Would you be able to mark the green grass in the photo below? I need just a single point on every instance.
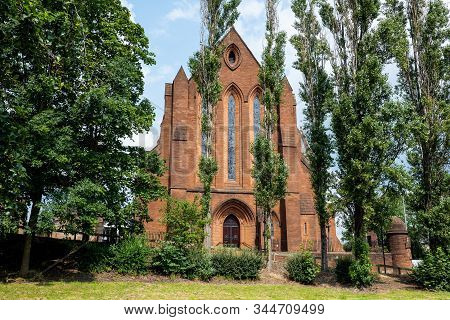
(197, 290)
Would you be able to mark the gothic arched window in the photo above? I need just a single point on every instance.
(231, 138)
(203, 136)
(256, 116)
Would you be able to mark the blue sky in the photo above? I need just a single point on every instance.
(173, 28)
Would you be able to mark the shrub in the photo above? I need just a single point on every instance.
(95, 257)
(360, 272)
(131, 256)
(199, 265)
(185, 223)
(433, 273)
(301, 267)
(237, 264)
(342, 270)
(193, 263)
(169, 259)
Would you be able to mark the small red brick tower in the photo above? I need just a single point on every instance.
(399, 244)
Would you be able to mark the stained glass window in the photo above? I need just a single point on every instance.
(203, 136)
(231, 139)
(256, 116)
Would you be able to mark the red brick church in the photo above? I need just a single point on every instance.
(239, 114)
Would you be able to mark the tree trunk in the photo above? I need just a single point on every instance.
(25, 266)
(26, 254)
(268, 243)
(359, 229)
(207, 241)
(323, 247)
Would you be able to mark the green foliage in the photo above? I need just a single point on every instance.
(342, 270)
(301, 267)
(78, 209)
(95, 258)
(72, 82)
(360, 270)
(237, 264)
(131, 255)
(317, 92)
(433, 272)
(199, 265)
(185, 223)
(369, 127)
(170, 259)
(387, 205)
(419, 44)
(269, 172)
(218, 16)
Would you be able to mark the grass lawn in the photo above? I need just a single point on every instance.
(197, 290)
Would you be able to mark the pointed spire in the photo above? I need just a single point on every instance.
(181, 75)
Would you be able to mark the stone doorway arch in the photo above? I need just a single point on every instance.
(237, 219)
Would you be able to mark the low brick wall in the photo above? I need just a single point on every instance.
(375, 257)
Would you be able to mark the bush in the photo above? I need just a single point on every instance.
(360, 272)
(185, 223)
(95, 258)
(199, 265)
(170, 259)
(342, 270)
(131, 256)
(433, 273)
(301, 267)
(237, 264)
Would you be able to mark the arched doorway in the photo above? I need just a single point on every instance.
(231, 232)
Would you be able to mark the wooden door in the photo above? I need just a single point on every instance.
(231, 232)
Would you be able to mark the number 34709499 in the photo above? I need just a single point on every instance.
(282, 308)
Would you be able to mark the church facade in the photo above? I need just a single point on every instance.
(239, 113)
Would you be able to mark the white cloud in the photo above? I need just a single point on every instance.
(185, 10)
(129, 6)
(158, 74)
(251, 9)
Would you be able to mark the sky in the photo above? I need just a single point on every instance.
(173, 28)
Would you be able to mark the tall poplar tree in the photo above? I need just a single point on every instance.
(269, 169)
(366, 124)
(316, 91)
(418, 34)
(217, 18)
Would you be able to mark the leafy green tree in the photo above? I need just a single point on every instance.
(418, 33)
(185, 223)
(71, 82)
(316, 91)
(367, 125)
(217, 18)
(269, 169)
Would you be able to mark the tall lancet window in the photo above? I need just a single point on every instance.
(231, 138)
(256, 116)
(203, 136)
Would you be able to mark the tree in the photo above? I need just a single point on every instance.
(217, 17)
(366, 124)
(71, 82)
(418, 39)
(316, 91)
(269, 169)
(185, 223)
